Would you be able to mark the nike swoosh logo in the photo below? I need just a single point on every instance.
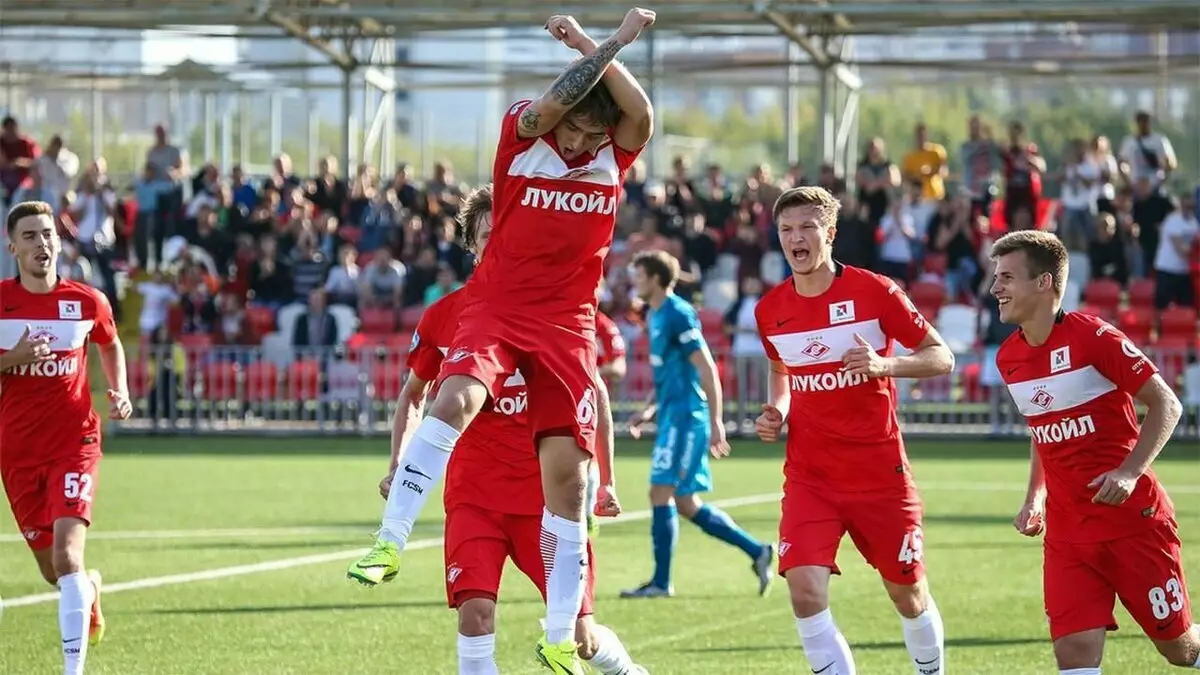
(71, 640)
(410, 469)
(779, 324)
(908, 570)
(927, 663)
(818, 672)
(1010, 371)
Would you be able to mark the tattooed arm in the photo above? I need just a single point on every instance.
(637, 115)
(579, 77)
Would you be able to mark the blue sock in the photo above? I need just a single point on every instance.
(716, 523)
(664, 531)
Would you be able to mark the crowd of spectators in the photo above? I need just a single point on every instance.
(205, 249)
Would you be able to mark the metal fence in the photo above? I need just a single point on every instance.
(352, 392)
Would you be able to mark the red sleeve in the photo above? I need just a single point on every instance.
(1117, 358)
(614, 342)
(104, 330)
(424, 358)
(899, 317)
(760, 318)
(508, 127)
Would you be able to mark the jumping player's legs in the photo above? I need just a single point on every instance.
(472, 368)
(887, 531)
(809, 533)
(559, 368)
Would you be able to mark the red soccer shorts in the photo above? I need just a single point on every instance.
(1081, 583)
(477, 542)
(62, 488)
(886, 529)
(558, 365)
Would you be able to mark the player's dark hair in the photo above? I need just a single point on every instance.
(25, 210)
(477, 205)
(660, 265)
(598, 107)
(1043, 250)
(808, 195)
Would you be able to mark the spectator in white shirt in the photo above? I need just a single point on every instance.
(1147, 155)
(157, 296)
(1172, 279)
(1081, 178)
(58, 167)
(93, 210)
(897, 234)
(381, 284)
(1101, 154)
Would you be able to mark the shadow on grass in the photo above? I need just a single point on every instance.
(341, 607)
(876, 646)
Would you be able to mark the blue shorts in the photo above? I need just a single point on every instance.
(680, 456)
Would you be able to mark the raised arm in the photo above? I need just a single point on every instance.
(579, 77)
(637, 114)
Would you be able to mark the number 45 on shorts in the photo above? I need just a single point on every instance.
(77, 486)
(912, 548)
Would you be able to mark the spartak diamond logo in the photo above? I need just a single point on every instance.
(1042, 399)
(815, 350)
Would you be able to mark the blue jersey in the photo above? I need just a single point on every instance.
(674, 336)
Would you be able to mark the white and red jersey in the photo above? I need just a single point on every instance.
(494, 465)
(1076, 391)
(610, 344)
(553, 223)
(46, 408)
(843, 433)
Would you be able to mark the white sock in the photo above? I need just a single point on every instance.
(611, 657)
(826, 648)
(76, 594)
(564, 554)
(926, 639)
(421, 467)
(477, 655)
(1080, 671)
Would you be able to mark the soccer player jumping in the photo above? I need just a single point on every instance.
(493, 494)
(829, 336)
(531, 305)
(49, 433)
(687, 400)
(1110, 526)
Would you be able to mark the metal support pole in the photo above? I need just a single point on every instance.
(97, 123)
(1162, 87)
(825, 131)
(314, 131)
(210, 126)
(245, 116)
(347, 119)
(656, 162)
(227, 108)
(388, 163)
(791, 105)
(276, 126)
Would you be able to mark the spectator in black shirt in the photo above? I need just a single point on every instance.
(215, 242)
(854, 243)
(952, 232)
(1106, 253)
(681, 191)
(700, 243)
(407, 194)
(877, 178)
(328, 192)
(270, 278)
(449, 251)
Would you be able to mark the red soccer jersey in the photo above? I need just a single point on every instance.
(553, 225)
(1076, 391)
(494, 466)
(842, 430)
(46, 408)
(610, 345)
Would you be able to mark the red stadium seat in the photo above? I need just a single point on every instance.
(304, 380)
(262, 381)
(928, 294)
(388, 378)
(1109, 314)
(376, 320)
(259, 322)
(138, 372)
(710, 320)
(1178, 322)
(410, 317)
(220, 381)
(936, 263)
(972, 390)
(1103, 293)
(175, 320)
(1137, 323)
(639, 381)
(1141, 293)
(195, 346)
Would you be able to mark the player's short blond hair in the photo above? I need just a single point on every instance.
(660, 265)
(477, 205)
(25, 210)
(818, 198)
(1044, 252)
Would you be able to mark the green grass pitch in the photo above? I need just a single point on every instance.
(185, 506)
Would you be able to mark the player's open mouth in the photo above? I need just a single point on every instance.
(1003, 301)
(800, 254)
(43, 258)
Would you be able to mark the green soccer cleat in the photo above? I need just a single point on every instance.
(380, 565)
(561, 658)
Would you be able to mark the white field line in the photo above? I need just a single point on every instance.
(254, 532)
(322, 558)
